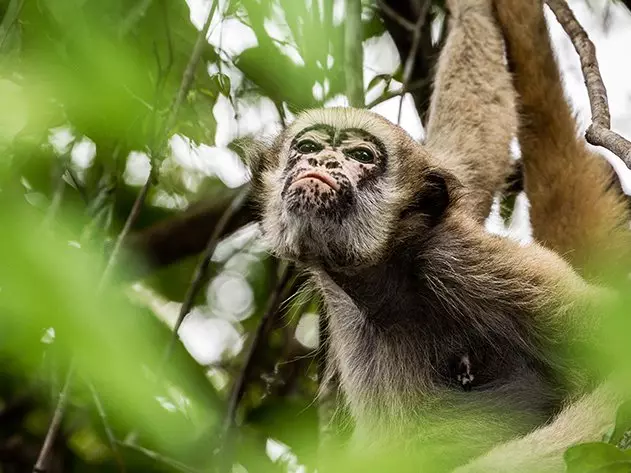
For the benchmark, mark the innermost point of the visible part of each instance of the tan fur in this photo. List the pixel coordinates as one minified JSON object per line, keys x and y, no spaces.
{"x":586,"y":420}
{"x":575,"y":210}
{"x":411,"y":278}
{"x":575,"y":207}
{"x":472,"y":114}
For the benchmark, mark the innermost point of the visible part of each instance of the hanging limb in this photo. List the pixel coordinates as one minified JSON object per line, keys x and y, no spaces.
{"x":599,"y":133}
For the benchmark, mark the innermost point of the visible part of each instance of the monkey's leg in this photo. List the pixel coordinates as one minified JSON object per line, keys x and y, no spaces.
{"x":575,"y":210}
{"x":472,"y":114}
{"x":542,"y":451}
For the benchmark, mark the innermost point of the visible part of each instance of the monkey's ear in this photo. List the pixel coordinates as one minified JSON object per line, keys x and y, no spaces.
{"x":440,"y":189}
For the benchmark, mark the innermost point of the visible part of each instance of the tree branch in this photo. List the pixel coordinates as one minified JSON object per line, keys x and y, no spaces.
{"x":204,"y":262}
{"x":186,"y":234}
{"x":410,"y":61}
{"x":422,"y":70}
{"x":53,"y":429}
{"x":187,"y":80}
{"x":599,"y":133}
{"x":392,"y":13}
{"x":354,"y":53}
{"x":259,"y":337}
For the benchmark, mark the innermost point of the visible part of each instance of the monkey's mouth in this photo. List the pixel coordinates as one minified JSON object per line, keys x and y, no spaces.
{"x":318,"y":176}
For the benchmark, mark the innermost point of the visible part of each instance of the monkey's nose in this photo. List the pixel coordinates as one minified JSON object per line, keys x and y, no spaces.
{"x":330,"y":162}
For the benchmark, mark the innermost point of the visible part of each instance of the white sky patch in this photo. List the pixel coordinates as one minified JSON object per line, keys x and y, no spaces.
{"x":208,"y":339}
{"x":307,"y":332}
{"x":210,"y":161}
{"x":338,"y":12}
{"x":60,"y":139}
{"x":83,"y":153}
{"x":380,"y":57}
{"x":137,"y":168}
{"x":233,"y":37}
{"x":237,"y":242}
{"x":230,"y":296}
{"x":410,"y":120}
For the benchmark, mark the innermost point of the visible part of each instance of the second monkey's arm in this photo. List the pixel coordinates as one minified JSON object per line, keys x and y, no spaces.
{"x":472,"y":114}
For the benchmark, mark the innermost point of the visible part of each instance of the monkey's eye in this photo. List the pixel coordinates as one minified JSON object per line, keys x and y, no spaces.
{"x":362,"y":155}
{"x":308,"y":146}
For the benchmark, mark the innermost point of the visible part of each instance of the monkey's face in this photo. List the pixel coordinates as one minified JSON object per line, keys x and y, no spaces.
{"x":328,"y":170}
{"x":328,"y":197}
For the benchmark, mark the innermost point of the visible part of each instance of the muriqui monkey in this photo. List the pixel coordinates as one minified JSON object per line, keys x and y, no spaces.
{"x":428,"y":313}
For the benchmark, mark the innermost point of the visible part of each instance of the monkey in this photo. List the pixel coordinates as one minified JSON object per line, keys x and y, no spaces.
{"x":418,"y":296}
{"x":574,"y":209}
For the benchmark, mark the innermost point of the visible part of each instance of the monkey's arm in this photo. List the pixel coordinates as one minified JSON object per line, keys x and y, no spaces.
{"x":472,"y":114}
{"x":542,"y":450}
{"x":575,"y":208}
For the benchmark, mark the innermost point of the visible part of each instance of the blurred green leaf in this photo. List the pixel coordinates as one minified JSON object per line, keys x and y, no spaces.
{"x":592,"y":457}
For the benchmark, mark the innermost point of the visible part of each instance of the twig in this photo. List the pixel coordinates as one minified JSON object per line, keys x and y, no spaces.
{"x":408,"y":68}
{"x":187,"y":77}
{"x":42,"y":460}
{"x":396,"y":93}
{"x":131,"y":219}
{"x":187,"y":80}
{"x":159,"y":458}
{"x":204,"y":262}
{"x":599,"y":133}
{"x":404,"y":22}
{"x":267,"y":320}
{"x":111,"y":438}
{"x":354,"y":53}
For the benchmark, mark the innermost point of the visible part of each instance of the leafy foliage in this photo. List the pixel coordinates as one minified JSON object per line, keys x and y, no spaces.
{"x":87,"y":89}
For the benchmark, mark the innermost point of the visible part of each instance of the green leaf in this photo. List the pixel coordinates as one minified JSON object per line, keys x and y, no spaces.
{"x":597,"y":456}
{"x":623,"y":423}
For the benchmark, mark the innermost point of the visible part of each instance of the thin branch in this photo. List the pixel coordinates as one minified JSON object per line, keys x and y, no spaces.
{"x":266,"y":323}
{"x":204,"y":262}
{"x":177,"y":465}
{"x":410,"y":62}
{"x":404,"y":22}
{"x":599,"y":133}
{"x":187,"y":80}
{"x":133,"y":216}
{"x":187,"y":77}
{"x":53,"y":429}
{"x":354,"y":53}
{"x":111,"y":438}
{"x":396,"y":93}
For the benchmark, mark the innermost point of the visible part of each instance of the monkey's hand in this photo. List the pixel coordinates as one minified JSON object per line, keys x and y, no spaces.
{"x":587,"y":420}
